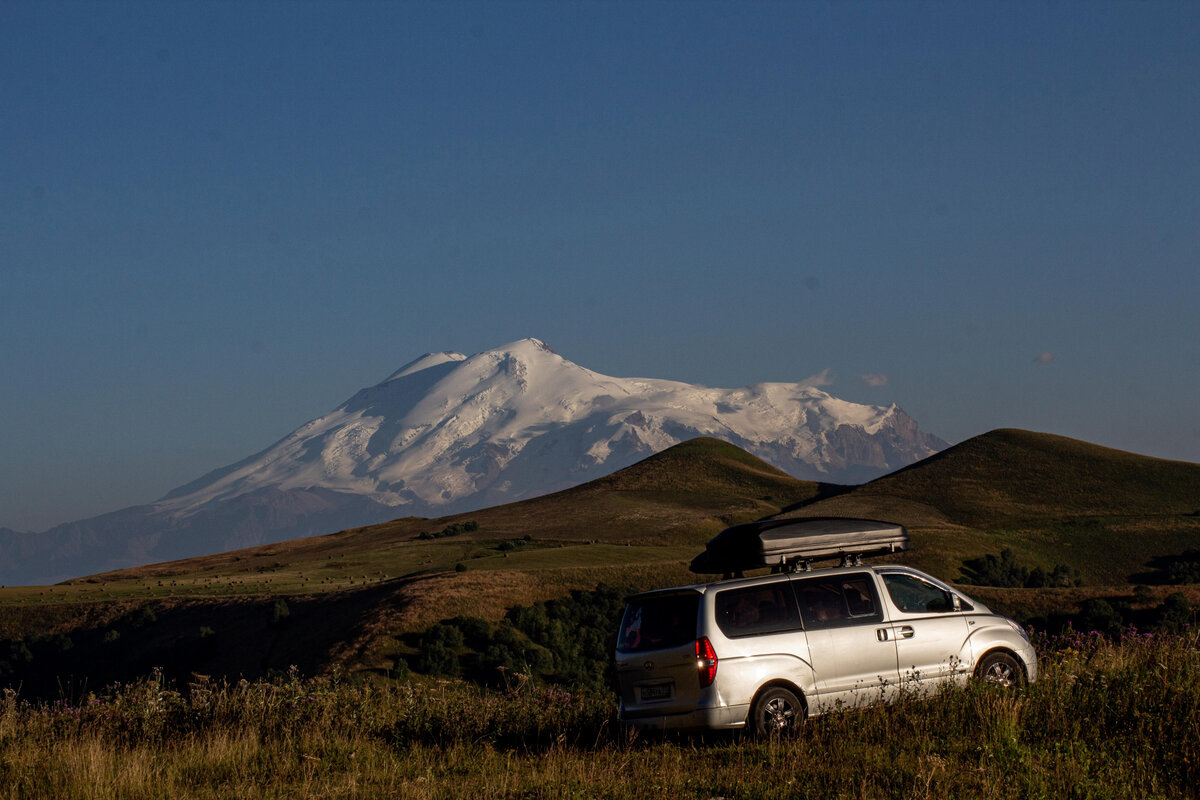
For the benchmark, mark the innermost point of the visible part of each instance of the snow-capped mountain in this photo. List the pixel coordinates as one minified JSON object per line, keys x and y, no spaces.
{"x":449,"y":433}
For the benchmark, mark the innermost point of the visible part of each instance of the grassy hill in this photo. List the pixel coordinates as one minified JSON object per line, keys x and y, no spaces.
{"x":348,"y":595}
{"x":1049,"y":498}
{"x":1010,"y":476}
{"x":351,"y":598}
{"x":661,"y":509}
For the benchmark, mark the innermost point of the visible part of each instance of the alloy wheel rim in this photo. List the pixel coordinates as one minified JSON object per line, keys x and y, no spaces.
{"x":1000,"y":674}
{"x":780,"y":714}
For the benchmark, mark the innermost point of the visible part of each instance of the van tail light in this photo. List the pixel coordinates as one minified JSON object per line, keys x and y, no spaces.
{"x":706,"y":661}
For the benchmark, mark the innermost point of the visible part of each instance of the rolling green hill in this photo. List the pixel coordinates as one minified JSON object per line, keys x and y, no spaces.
{"x":348,"y":595}
{"x":1010,"y":475}
{"x":662,"y":508}
{"x":1049,"y":498}
{"x":351,"y":598}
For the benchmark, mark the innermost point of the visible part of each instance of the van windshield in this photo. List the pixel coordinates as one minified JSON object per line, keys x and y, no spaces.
{"x":658,"y":622}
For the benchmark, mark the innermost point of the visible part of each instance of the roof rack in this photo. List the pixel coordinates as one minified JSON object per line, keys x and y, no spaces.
{"x":792,"y":544}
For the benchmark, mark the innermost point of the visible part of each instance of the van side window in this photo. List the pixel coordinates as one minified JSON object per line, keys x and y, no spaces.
{"x":915,"y":596}
{"x":757,"y":609}
{"x":838,"y":600}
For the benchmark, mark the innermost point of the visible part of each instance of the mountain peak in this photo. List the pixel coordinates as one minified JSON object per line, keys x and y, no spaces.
{"x":528,"y":344}
{"x":425,"y":362}
{"x":448,"y":432}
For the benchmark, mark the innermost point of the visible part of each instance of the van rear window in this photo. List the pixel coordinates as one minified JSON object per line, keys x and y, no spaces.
{"x":659,"y":622}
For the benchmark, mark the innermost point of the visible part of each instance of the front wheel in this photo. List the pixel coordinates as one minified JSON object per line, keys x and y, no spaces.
{"x":1000,"y":669}
{"x":777,"y":711}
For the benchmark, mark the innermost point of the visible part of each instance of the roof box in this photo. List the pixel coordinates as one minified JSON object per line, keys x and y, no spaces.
{"x":786,"y":543}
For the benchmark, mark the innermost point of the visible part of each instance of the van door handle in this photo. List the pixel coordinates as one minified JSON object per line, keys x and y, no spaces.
{"x":907,"y":632}
{"x":881,"y":634}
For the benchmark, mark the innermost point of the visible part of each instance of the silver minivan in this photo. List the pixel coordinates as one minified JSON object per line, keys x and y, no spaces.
{"x":765,"y":652}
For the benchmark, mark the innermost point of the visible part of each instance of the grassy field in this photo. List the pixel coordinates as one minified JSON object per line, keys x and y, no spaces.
{"x":1106,"y":720}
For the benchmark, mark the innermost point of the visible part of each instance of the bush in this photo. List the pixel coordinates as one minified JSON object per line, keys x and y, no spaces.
{"x":144,"y":617}
{"x":400,"y":670}
{"x":1006,"y":572}
{"x":454,"y":529}
{"x":440,"y":646}
{"x":1185,"y":568}
{"x":280,"y":613}
{"x":564,"y":641}
{"x":473,"y":629}
{"x":1174,"y":614}
{"x":1099,"y":615}
{"x":438,"y":659}
{"x":19,"y":653}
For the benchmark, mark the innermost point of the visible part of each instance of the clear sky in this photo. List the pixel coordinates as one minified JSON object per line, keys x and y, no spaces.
{"x":219,"y":220}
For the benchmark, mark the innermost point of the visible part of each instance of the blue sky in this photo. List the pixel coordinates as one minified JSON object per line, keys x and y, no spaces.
{"x":219,"y":220}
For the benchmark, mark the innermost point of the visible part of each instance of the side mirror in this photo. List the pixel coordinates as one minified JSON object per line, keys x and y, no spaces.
{"x":956,"y":602}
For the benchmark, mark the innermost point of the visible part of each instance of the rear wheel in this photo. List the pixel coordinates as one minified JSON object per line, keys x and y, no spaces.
{"x":776,"y":712}
{"x":1000,"y":669}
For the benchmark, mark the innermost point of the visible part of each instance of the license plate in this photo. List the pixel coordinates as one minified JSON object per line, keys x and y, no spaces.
{"x":660,"y":691}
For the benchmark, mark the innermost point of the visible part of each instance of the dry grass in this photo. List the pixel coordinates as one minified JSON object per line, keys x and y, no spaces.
{"x":1106,"y":720}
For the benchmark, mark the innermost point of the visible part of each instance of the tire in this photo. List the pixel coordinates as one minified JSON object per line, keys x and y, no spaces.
{"x":1000,"y":669}
{"x":776,"y":712}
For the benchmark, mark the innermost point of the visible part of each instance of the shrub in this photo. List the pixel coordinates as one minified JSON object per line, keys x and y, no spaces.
{"x":1005,"y":571}
{"x":473,"y":629}
{"x":144,"y":616}
{"x":1099,"y":615}
{"x":19,"y":653}
{"x":280,"y":613}
{"x":440,"y":646}
{"x":564,"y":641}
{"x":1174,"y":614}
{"x":454,"y":529}
{"x":1184,"y":568}
{"x":438,"y":659}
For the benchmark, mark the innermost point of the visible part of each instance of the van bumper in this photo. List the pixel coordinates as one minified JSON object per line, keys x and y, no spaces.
{"x":720,"y":718}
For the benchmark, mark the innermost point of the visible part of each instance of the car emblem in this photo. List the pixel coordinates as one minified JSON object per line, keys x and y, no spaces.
{"x":649,"y":665}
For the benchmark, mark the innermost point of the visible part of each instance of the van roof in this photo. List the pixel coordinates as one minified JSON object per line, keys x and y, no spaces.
{"x":726,"y":583}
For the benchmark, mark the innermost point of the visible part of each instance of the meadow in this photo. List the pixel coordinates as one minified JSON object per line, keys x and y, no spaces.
{"x":1109,"y":718}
